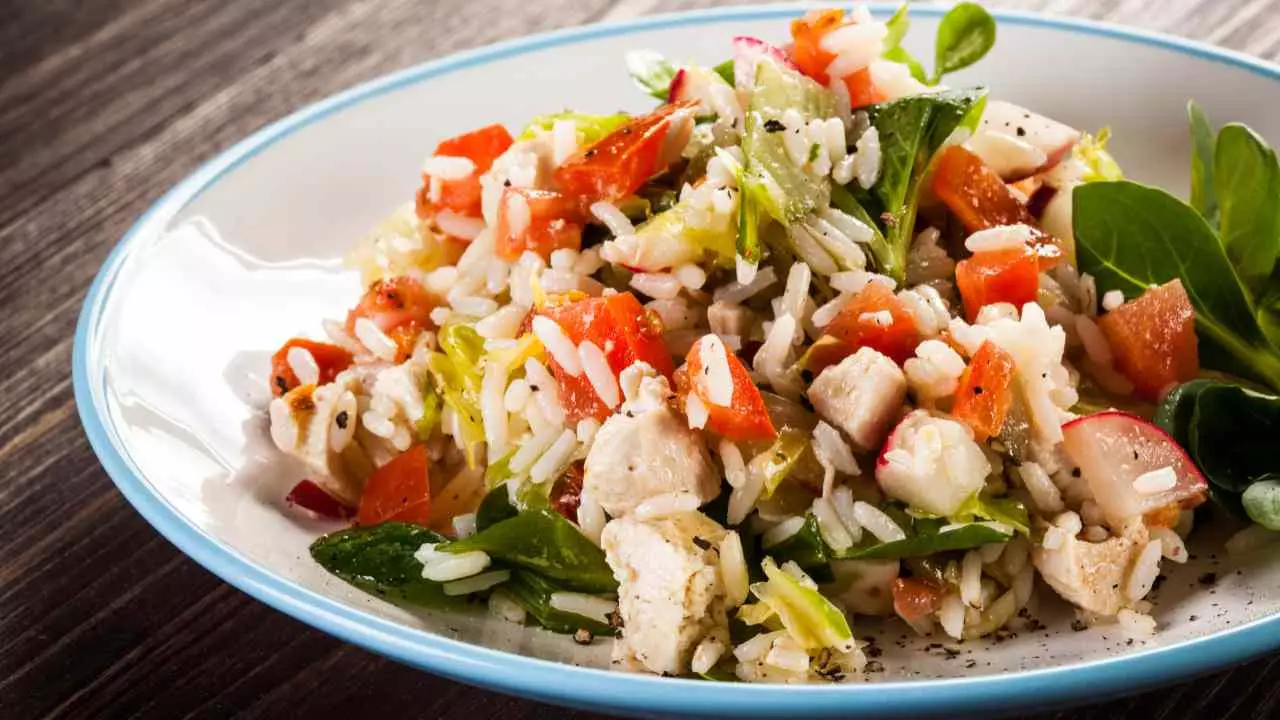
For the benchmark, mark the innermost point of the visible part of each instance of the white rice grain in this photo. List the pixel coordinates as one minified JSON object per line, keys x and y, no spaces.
{"x":555,"y":458}
{"x":342,"y":430}
{"x":557,"y":343}
{"x":476,"y":307}
{"x":303,"y":365}
{"x":735,"y":469}
{"x":755,"y":648}
{"x":1095,"y":343}
{"x":591,"y":517}
{"x":695,"y":411}
{"x":589,"y":606}
{"x":518,"y":214}
{"x":733,"y":570}
{"x":599,"y":374}
{"x":1142,"y":576}
{"x":463,"y":227}
{"x":1112,"y":299}
{"x":503,"y":607}
{"x":744,"y":498}
{"x":691,"y":276}
{"x":833,"y":531}
{"x":875,"y":521}
{"x":1156,"y":481}
{"x":442,"y":567}
{"x":532,"y":449}
{"x":716,"y":380}
{"x":787,"y":655}
{"x":502,"y":324}
{"x":661,"y":286}
{"x":842,"y":501}
{"x":449,"y":167}
{"x":613,"y":218}
{"x":706,"y":655}
{"x":810,"y":251}
{"x":1001,"y":237}
{"x":374,"y":340}
{"x":546,"y":389}
{"x":1136,"y":625}
{"x":782,"y":531}
{"x":441,"y":315}
{"x":831,"y":445}
{"x":493,"y":413}
{"x":564,"y":141}
{"x":1171,"y":545}
{"x":665,"y":505}
{"x":738,"y":292}
{"x":951,"y":616}
{"x":866,"y":163}
{"x":1044,"y":494}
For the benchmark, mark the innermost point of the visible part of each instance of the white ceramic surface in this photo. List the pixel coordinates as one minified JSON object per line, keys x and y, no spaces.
{"x":173,"y":353}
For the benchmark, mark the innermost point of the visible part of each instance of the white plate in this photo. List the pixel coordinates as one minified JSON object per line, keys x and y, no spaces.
{"x":172,"y":352}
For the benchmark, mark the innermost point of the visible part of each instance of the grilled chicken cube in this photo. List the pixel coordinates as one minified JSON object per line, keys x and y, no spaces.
{"x":931,"y":463}
{"x":862,"y":395}
{"x":670,"y":593}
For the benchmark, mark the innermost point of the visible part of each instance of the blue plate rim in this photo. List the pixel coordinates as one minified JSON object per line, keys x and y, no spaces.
{"x":590,"y":687}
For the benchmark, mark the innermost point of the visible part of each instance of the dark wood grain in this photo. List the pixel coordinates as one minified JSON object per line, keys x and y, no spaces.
{"x":104,"y":105}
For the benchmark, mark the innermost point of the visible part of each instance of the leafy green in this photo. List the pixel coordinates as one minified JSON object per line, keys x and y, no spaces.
{"x":809,"y":617}
{"x":911,"y":131}
{"x":781,"y":458}
{"x":494,"y":508}
{"x":1091,"y":151}
{"x":844,"y":201}
{"x":1228,"y":431}
{"x":725,"y":71}
{"x":1175,"y":241}
{"x":1203,"y":195}
{"x":533,"y":593}
{"x":748,"y":241}
{"x":453,"y":385}
{"x":1247,"y":184}
{"x":1262,"y":502}
{"x":498,"y":471}
{"x":543,"y":541}
{"x":651,"y":72}
{"x":965,"y":34}
{"x":806,"y":549}
{"x":379,"y":560}
{"x":431,"y":407}
{"x":784,"y":191}
{"x":898,"y":25}
{"x":1006,"y":511}
{"x":592,"y":127}
{"x":966,"y":537}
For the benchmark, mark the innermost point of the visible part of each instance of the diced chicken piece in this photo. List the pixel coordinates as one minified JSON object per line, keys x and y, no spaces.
{"x":932,"y":464}
{"x":1018,"y":143}
{"x":1089,"y":575}
{"x":670,"y":593}
{"x":862,"y":395}
{"x":316,"y":425}
{"x":646,"y":450}
{"x":726,"y":319}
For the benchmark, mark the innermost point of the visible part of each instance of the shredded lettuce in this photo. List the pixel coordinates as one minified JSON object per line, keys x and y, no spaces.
{"x":1006,"y":511}
{"x":1091,"y":151}
{"x":431,"y":408}
{"x":811,"y":619}
{"x":592,"y":127}
{"x":781,"y":457}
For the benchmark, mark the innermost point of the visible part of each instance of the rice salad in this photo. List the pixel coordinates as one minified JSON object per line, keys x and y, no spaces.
{"x":818,"y":338}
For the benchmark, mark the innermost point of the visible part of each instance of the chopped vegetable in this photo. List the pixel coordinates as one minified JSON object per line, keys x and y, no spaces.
{"x":533,"y":593}
{"x":1153,"y":339}
{"x":914,"y":599}
{"x":975,"y":193}
{"x":861,"y":323}
{"x":809,"y":617}
{"x":591,"y":127}
{"x":745,"y":418}
{"x":619,"y":163}
{"x":330,"y":360}
{"x":543,"y":541}
{"x":996,"y":276}
{"x":965,"y":537}
{"x":400,"y":307}
{"x":380,"y":560}
{"x":310,"y":496}
{"x":539,"y":220}
{"x":462,"y":195}
{"x":986,"y":392}
{"x":808,"y":54}
{"x":965,"y":34}
{"x":399,"y":491}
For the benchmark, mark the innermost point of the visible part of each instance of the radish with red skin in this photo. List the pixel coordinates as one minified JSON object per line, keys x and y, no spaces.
{"x":1113,"y":448}
{"x":679,"y":84}
{"x":747,"y":52}
{"x":310,"y":496}
{"x":1050,"y":137}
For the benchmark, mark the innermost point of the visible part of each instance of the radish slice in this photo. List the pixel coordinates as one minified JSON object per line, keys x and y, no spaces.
{"x":1021,"y":143}
{"x":679,"y":84}
{"x":1113,"y":449}
{"x":747,"y":52}
{"x":310,"y":496}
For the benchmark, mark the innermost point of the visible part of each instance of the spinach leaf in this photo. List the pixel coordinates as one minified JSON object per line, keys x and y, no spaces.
{"x":725,"y":71}
{"x":494,"y":508}
{"x":543,"y":541}
{"x":1204,"y":196}
{"x":807,"y":549}
{"x":380,"y":561}
{"x":1174,"y":413}
{"x":651,"y":72}
{"x":1247,"y":179}
{"x":893,"y":50}
{"x":911,"y":130}
{"x":965,"y":34}
{"x":1231,"y":435}
{"x":1173,"y":241}
{"x":1006,"y":511}
{"x":962,"y":538}
{"x":533,"y":593}
{"x":844,"y":201}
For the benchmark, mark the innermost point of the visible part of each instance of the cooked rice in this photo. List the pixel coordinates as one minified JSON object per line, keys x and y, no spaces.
{"x":877,"y":522}
{"x":555,"y":459}
{"x":584,"y":605}
{"x":665,"y":505}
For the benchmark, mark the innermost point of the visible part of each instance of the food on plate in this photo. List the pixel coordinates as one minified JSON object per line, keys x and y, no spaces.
{"x":815,"y":339}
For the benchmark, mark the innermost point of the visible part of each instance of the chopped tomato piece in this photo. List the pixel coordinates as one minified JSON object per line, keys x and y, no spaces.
{"x":399,"y":490}
{"x":462,"y":195}
{"x":1153,"y":339}
{"x":621,"y":327}
{"x":1011,"y":276}
{"x":746,"y":418}
{"x":310,"y":496}
{"x":807,"y":32}
{"x":985,"y":393}
{"x":400,"y":307}
{"x":566,"y":493}
{"x":914,"y":598}
{"x":619,"y":163}
{"x":861,"y":323}
{"x":552,"y":222}
{"x":331,"y":360}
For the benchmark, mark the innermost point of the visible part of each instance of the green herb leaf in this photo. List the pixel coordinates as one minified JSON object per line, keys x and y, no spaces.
{"x":592,"y":127}
{"x":1204,"y":197}
{"x":1231,"y":435}
{"x":807,"y":549}
{"x":651,"y":72}
{"x":1262,"y":502}
{"x":533,"y":593}
{"x":911,"y":130}
{"x":1247,"y":180}
{"x":1175,"y":242}
{"x":725,"y":71}
{"x":494,"y":508}
{"x":893,"y":50}
{"x":963,"y":538}
{"x":380,"y":561}
{"x":543,"y":541}
{"x":1006,"y":511}
{"x":431,"y":407}
{"x":965,"y":34}
{"x":809,"y":617}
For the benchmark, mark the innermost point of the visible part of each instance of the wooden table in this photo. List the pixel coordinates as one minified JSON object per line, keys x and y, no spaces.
{"x":103,"y":106}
